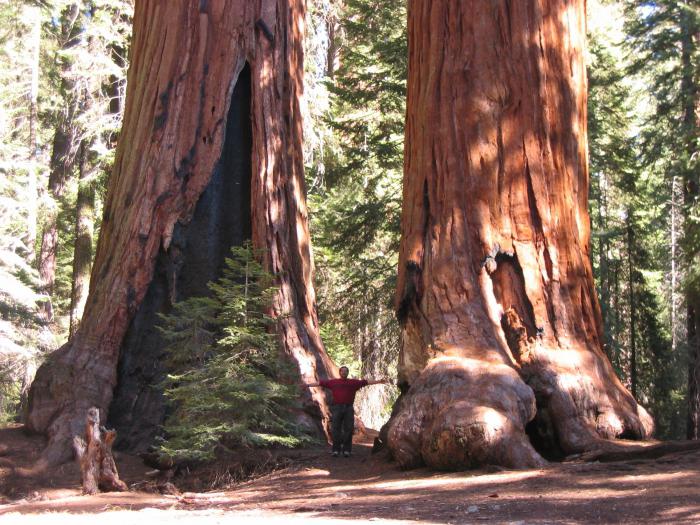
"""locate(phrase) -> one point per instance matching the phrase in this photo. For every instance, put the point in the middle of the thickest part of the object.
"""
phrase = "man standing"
(342, 412)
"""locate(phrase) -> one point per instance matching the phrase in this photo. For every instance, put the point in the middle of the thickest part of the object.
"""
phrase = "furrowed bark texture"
(209, 154)
(501, 357)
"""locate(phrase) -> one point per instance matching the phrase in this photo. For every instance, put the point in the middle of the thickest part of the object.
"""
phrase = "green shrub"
(230, 385)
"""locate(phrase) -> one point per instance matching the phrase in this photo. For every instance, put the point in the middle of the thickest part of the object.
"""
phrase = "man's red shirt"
(343, 390)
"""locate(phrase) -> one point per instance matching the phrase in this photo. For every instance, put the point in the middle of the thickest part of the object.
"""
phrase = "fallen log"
(637, 452)
(94, 455)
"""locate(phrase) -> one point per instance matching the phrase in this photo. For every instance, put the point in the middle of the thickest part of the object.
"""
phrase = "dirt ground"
(317, 488)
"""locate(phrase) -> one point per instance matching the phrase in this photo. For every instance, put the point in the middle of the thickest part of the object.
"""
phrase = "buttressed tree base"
(501, 357)
(209, 155)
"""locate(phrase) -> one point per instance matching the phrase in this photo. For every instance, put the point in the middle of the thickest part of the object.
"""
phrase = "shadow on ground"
(366, 487)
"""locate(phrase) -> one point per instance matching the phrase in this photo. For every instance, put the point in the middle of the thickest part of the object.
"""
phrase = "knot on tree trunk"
(94, 454)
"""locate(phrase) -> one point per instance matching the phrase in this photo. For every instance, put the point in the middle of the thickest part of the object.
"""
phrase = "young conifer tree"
(227, 382)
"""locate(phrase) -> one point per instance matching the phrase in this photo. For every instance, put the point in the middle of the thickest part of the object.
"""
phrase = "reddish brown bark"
(186, 59)
(501, 325)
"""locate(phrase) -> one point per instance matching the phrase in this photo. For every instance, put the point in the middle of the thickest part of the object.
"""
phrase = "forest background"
(62, 83)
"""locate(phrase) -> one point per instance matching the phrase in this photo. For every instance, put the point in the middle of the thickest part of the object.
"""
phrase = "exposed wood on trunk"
(501, 325)
(185, 63)
(94, 455)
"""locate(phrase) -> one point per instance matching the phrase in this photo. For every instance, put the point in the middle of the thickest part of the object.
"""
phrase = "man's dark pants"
(342, 425)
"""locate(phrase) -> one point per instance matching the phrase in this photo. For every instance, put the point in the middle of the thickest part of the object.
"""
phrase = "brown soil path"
(321, 489)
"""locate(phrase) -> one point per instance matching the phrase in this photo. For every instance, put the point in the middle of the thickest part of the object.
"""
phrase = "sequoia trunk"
(209, 155)
(501, 358)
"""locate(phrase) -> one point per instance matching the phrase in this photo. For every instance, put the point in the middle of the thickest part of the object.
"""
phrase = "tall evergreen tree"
(628, 204)
(665, 35)
(356, 190)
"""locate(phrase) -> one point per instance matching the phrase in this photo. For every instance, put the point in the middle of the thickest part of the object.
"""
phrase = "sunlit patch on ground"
(367, 488)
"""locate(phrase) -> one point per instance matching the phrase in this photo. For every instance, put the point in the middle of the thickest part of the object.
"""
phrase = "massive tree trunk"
(209, 155)
(501, 357)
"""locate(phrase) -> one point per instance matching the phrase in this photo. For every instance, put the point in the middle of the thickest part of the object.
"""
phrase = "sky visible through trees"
(62, 82)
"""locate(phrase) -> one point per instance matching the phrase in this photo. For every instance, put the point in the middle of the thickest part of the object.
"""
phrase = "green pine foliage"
(630, 208)
(229, 386)
(24, 336)
(76, 52)
(662, 36)
(355, 196)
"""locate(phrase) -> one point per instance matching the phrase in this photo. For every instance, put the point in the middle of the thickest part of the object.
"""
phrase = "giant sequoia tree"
(501, 358)
(209, 156)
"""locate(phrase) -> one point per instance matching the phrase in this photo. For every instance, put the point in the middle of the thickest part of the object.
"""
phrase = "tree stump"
(94, 454)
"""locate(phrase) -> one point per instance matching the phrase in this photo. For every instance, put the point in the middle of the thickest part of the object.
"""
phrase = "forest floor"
(316, 488)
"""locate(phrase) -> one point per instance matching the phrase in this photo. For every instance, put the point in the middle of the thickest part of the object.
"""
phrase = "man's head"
(344, 371)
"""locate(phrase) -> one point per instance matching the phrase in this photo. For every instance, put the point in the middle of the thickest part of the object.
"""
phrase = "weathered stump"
(94, 454)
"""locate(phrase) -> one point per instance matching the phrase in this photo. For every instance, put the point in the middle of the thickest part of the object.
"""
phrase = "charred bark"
(501, 348)
(178, 162)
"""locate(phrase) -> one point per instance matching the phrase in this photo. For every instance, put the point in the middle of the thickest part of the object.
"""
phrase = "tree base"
(465, 413)
(460, 414)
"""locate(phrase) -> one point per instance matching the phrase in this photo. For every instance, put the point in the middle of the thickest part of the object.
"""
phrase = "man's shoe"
(335, 454)
(346, 454)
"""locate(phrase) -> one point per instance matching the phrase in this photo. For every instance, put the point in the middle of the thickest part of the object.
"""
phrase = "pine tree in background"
(663, 36)
(230, 385)
(356, 191)
(62, 66)
(24, 336)
(89, 78)
(629, 212)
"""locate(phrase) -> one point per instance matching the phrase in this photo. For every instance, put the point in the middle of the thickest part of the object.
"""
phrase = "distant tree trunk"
(693, 424)
(676, 226)
(690, 93)
(58, 175)
(34, 13)
(82, 249)
(501, 357)
(209, 155)
(334, 38)
(633, 306)
(61, 165)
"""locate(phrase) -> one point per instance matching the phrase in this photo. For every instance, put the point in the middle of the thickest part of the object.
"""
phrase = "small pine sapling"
(229, 385)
